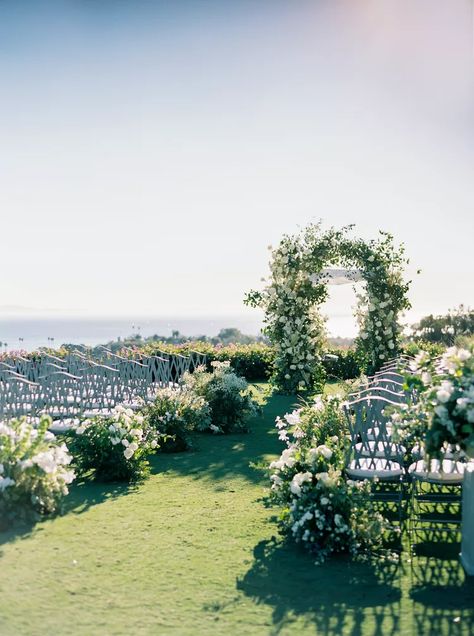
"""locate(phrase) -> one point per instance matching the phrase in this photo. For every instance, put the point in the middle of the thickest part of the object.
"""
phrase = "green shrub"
(431, 348)
(34, 470)
(252, 361)
(115, 448)
(255, 362)
(227, 394)
(342, 364)
(177, 414)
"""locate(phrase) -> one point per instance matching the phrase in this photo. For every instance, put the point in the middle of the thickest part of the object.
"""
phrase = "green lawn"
(194, 551)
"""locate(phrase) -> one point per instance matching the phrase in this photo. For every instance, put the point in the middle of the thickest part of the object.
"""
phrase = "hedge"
(255, 361)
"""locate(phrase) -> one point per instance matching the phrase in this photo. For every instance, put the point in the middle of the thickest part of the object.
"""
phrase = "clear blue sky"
(150, 151)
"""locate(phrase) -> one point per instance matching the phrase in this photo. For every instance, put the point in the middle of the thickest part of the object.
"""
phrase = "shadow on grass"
(83, 495)
(86, 493)
(223, 457)
(442, 593)
(337, 597)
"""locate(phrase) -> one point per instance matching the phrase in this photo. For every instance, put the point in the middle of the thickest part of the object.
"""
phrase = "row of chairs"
(81, 384)
(433, 487)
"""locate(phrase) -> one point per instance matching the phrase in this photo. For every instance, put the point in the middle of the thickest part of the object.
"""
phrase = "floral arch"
(297, 287)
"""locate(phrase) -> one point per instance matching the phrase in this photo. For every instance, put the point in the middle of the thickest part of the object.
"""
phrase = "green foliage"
(252, 361)
(177, 414)
(34, 470)
(228, 395)
(115, 448)
(342, 364)
(412, 348)
(445, 329)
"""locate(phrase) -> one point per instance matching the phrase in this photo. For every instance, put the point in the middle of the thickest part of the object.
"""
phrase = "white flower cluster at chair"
(125, 428)
(34, 467)
(320, 508)
(442, 419)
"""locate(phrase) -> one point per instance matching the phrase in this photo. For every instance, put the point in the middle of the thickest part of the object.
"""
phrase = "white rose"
(128, 453)
(426, 377)
(443, 395)
(324, 451)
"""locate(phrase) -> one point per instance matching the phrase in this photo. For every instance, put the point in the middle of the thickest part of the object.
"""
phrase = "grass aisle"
(191, 551)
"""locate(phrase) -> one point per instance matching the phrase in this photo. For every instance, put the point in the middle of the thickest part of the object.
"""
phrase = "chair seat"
(445, 472)
(56, 413)
(365, 468)
(62, 426)
(417, 452)
(380, 449)
(95, 412)
(135, 406)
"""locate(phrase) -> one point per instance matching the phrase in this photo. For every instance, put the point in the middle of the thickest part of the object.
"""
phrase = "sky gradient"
(152, 150)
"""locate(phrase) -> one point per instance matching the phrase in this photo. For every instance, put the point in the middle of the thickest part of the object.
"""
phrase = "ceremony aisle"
(194, 551)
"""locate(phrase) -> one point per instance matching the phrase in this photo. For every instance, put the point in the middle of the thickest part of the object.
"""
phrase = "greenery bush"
(342, 364)
(416, 346)
(115, 448)
(228, 395)
(34, 470)
(177, 414)
(252, 361)
(255, 362)
(445, 329)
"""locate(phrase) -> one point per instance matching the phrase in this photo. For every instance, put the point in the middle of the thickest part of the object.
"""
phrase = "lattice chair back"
(387, 383)
(20, 397)
(177, 365)
(160, 370)
(197, 359)
(23, 365)
(400, 397)
(75, 361)
(61, 394)
(102, 387)
(182, 365)
(372, 452)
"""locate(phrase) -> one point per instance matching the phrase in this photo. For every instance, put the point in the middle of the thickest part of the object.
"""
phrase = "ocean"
(29, 333)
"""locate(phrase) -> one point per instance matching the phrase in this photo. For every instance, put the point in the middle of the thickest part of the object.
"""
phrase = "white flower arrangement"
(34, 469)
(320, 508)
(115, 447)
(177, 414)
(443, 415)
(228, 395)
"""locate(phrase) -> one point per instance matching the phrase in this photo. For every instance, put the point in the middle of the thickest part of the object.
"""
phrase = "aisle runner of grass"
(193, 551)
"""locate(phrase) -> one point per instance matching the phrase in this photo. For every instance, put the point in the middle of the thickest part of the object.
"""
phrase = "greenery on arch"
(291, 300)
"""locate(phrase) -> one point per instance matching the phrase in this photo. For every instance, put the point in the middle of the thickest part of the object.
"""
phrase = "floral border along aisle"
(322, 510)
